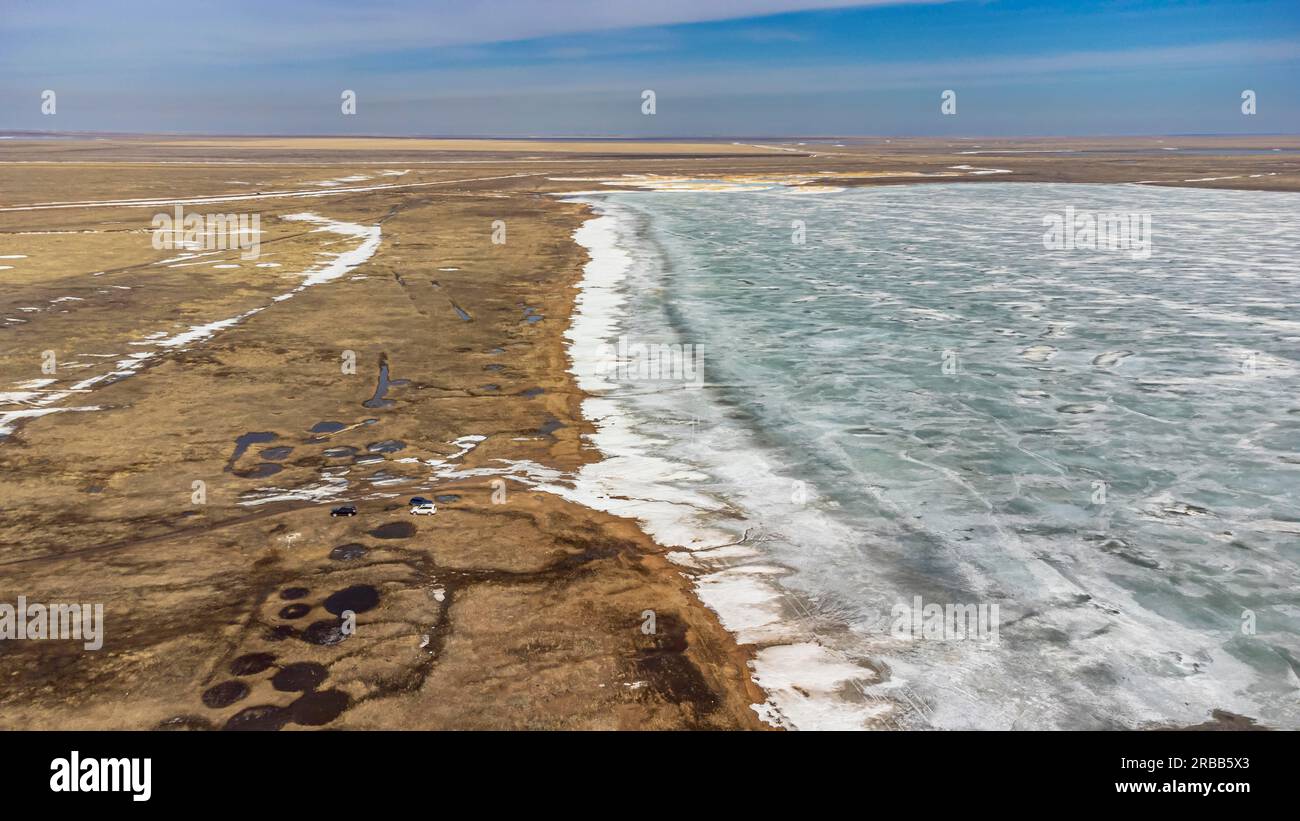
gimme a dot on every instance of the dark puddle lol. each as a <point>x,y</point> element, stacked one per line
<point>386,446</point>
<point>293,593</point>
<point>446,498</point>
<point>300,676</point>
<point>461,312</point>
<point>224,694</point>
<point>531,392</point>
<point>394,530</point>
<point>328,427</point>
<point>324,633</point>
<point>490,387</point>
<point>494,367</point>
<point>281,632</point>
<point>348,552</point>
<point>381,391</point>
<point>358,598</point>
<point>242,443</point>
<point>369,459</point>
<point>339,452</point>
<point>550,426</point>
<point>294,611</point>
<point>252,664</point>
<point>259,471</point>
<point>379,400</point>
<point>276,454</point>
<point>261,717</point>
<point>315,709</point>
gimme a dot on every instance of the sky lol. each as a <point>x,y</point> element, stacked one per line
<point>718,68</point>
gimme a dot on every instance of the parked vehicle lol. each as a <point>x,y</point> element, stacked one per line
<point>426,509</point>
<point>344,510</point>
<point>420,500</point>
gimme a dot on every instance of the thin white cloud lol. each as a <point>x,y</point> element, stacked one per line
<point>242,31</point>
<point>1004,68</point>
<point>722,77</point>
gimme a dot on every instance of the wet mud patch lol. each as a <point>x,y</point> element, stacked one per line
<point>259,471</point>
<point>280,632</point>
<point>348,552</point>
<point>394,530</point>
<point>324,633</point>
<point>252,664</point>
<point>224,694</point>
<point>317,708</point>
<point>667,671</point>
<point>301,676</point>
<point>261,717</point>
<point>358,598</point>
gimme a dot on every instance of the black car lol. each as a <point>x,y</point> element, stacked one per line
<point>345,510</point>
<point>419,500</point>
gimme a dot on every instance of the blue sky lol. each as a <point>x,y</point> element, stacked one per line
<point>718,67</point>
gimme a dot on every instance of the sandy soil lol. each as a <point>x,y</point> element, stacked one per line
<point>510,608</point>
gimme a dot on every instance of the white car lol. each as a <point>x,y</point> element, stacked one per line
<point>423,510</point>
